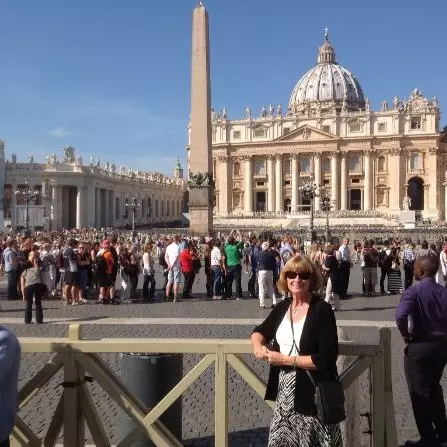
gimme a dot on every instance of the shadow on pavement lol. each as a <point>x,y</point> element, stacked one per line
<point>243,438</point>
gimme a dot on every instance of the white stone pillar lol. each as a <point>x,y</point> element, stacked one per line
<point>80,204</point>
<point>433,190</point>
<point>98,207</point>
<point>248,184</point>
<point>55,207</point>
<point>90,219</point>
<point>317,178</point>
<point>334,180</point>
<point>367,205</point>
<point>294,183</point>
<point>397,183</point>
<point>343,182</point>
<point>271,183</point>
<point>223,183</point>
<point>279,184</point>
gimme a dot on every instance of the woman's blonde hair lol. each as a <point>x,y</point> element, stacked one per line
<point>301,264</point>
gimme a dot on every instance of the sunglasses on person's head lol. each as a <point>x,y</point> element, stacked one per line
<point>303,275</point>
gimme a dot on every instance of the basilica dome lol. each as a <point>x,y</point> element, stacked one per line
<point>327,87</point>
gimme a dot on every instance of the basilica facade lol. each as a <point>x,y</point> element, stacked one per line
<point>363,160</point>
<point>74,194</point>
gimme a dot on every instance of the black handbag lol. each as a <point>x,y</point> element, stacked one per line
<point>329,395</point>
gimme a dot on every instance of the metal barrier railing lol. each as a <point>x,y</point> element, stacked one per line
<point>77,355</point>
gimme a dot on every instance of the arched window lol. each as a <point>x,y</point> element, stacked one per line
<point>381,164</point>
<point>237,168</point>
<point>415,161</point>
<point>354,163</point>
<point>326,166</point>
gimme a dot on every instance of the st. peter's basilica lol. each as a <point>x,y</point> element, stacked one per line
<point>372,161</point>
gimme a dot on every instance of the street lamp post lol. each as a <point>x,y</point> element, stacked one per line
<point>309,191</point>
<point>326,205</point>
<point>133,205</point>
<point>28,195</point>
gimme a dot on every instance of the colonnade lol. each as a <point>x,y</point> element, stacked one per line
<point>279,188</point>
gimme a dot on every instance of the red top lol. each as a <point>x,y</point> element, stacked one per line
<point>186,261</point>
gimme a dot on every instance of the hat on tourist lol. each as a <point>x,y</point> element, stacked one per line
<point>106,243</point>
<point>265,246</point>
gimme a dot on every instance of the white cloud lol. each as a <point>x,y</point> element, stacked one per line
<point>59,132</point>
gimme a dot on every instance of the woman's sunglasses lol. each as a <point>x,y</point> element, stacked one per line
<point>303,275</point>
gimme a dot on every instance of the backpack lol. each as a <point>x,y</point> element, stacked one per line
<point>382,258</point>
<point>387,263</point>
<point>101,264</point>
<point>196,265</point>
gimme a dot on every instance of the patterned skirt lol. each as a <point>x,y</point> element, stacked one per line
<point>291,429</point>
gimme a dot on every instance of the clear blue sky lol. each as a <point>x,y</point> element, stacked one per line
<point>111,77</point>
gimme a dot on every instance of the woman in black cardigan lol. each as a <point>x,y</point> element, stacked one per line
<point>311,345</point>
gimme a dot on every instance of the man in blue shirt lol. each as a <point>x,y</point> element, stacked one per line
<point>9,376</point>
<point>421,317</point>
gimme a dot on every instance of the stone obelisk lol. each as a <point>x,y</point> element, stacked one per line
<point>201,184</point>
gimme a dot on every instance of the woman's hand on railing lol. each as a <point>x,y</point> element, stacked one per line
<point>260,351</point>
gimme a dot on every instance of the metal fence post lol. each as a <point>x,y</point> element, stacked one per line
<point>390,422</point>
<point>74,425</point>
<point>378,399</point>
<point>221,399</point>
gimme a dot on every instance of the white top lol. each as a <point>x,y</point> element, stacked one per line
<point>148,263</point>
<point>172,255</point>
<point>216,256</point>
<point>284,335</point>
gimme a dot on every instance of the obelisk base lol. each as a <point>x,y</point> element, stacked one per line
<point>200,210</point>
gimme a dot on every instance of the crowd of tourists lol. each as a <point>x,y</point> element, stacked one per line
<point>81,266</point>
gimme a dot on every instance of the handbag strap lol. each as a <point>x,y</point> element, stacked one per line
<point>294,345</point>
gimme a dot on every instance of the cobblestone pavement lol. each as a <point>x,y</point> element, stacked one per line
<point>249,416</point>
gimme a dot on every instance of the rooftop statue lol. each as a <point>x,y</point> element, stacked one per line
<point>247,112</point>
<point>30,158</point>
<point>14,158</point>
<point>263,112</point>
<point>396,103</point>
<point>79,160</point>
<point>384,107</point>
<point>271,110</point>
<point>69,154</point>
<point>279,110</point>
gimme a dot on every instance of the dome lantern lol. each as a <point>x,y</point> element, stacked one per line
<point>326,53</point>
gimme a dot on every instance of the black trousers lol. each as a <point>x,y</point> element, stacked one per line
<point>408,270</point>
<point>345,272</point>
<point>233,273</point>
<point>424,364</point>
<point>148,293</point>
<point>4,443</point>
<point>36,291</point>
<point>189,281</point>
<point>253,286</point>
<point>383,275</point>
<point>12,284</point>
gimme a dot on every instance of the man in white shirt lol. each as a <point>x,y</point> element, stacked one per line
<point>344,256</point>
<point>216,264</point>
<point>172,257</point>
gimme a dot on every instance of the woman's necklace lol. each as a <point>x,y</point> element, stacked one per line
<point>296,309</point>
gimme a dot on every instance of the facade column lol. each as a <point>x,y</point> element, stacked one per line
<point>98,207</point>
<point>225,203</point>
<point>279,184</point>
<point>80,206</point>
<point>271,184</point>
<point>334,180</point>
<point>433,193</point>
<point>55,207</point>
<point>317,178</point>
<point>367,205</point>
<point>396,179</point>
<point>90,214</point>
<point>294,208</point>
<point>248,184</point>
<point>106,208</point>
<point>343,182</point>
<point>444,213</point>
